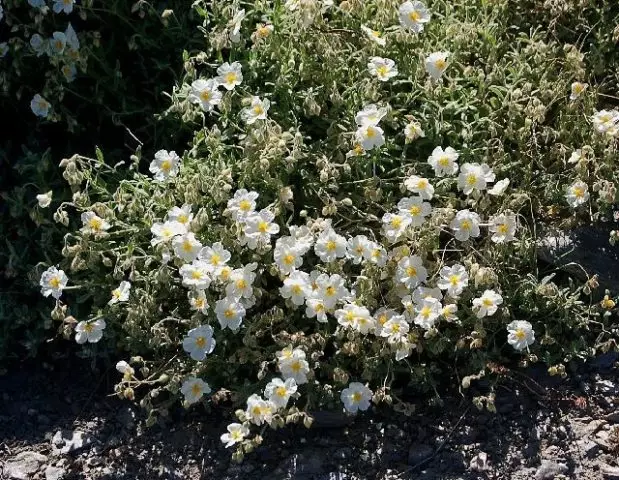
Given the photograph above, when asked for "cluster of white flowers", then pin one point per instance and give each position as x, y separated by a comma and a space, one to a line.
64, 45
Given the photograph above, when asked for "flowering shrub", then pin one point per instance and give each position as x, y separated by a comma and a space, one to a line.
357, 213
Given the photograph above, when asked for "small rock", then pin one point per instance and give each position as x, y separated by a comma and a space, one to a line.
602, 438
606, 387
419, 453
612, 473
24, 464
548, 470
54, 473
479, 462
71, 442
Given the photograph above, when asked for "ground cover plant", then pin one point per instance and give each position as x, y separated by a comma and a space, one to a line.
356, 215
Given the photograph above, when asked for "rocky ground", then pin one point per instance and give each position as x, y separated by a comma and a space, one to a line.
59, 424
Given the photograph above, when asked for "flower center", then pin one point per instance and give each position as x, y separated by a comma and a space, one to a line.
245, 205
241, 283
411, 271
54, 282
471, 179
440, 64
520, 335
116, 293
205, 96
166, 165
370, 131
263, 227
414, 210
297, 290
230, 77
196, 274
331, 245
396, 222
502, 228
454, 280
289, 259
187, 247
200, 342
579, 192
356, 397
421, 184
215, 259
281, 391
414, 16
196, 389
229, 313
258, 110
296, 366
382, 70
95, 223
382, 319
330, 291
443, 161
487, 302
425, 312
183, 218
89, 328
465, 225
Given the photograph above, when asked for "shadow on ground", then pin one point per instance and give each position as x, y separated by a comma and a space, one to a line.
544, 427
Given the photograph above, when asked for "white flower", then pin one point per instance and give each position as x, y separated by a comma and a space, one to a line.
356, 397
503, 227
499, 187
235, 26
197, 300
370, 136
71, 36
36, 3
374, 35
236, 433
413, 131
330, 289
419, 185
487, 304
286, 254
205, 93
394, 329
39, 106
577, 194
577, 89
421, 293
449, 312
520, 334
229, 313
357, 248
279, 391
196, 275
259, 227
242, 281
465, 225
394, 225
409, 307
215, 257
39, 45
242, 204
53, 282
164, 232
262, 31
296, 287
124, 368
186, 247
165, 165
69, 72
315, 307
65, 6
259, 410
90, 332
93, 224
355, 317
416, 208
44, 199
181, 215
330, 246
474, 177
292, 364
370, 115
382, 68
411, 272
427, 313
381, 317
413, 15
444, 162
404, 348
199, 342
230, 75
303, 238
436, 64
194, 389
453, 279
605, 121
4, 49
58, 42
257, 110
376, 254
120, 294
